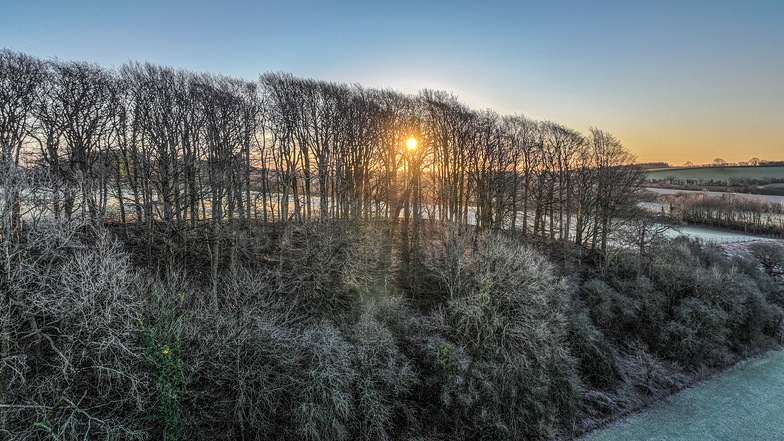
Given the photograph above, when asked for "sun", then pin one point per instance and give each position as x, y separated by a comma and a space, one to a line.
411, 143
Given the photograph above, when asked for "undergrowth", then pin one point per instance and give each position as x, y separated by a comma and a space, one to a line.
316, 336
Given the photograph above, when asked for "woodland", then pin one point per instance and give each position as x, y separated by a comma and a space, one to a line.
193, 256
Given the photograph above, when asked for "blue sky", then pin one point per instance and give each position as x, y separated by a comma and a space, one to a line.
674, 81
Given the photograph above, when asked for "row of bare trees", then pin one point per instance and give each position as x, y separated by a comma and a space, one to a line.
728, 211
169, 148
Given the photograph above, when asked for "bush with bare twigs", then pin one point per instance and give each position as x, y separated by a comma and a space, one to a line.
327, 270
506, 313
74, 367
770, 256
317, 339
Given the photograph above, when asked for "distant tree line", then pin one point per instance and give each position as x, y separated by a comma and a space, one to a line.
741, 185
651, 165
745, 184
152, 145
721, 162
736, 213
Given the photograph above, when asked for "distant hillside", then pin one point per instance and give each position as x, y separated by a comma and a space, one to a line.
697, 175
653, 165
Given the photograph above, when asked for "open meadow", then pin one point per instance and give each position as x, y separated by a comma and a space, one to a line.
715, 174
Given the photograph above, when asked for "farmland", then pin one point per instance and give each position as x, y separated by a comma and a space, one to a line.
771, 199
734, 211
761, 174
744, 198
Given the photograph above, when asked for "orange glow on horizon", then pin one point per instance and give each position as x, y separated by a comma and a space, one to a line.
676, 147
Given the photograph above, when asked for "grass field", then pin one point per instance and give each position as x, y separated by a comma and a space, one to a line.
770, 199
745, 403
718, 173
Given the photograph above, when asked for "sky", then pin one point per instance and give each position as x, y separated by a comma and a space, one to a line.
674, 81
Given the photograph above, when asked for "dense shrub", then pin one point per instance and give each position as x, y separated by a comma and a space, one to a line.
616, 313
241, 366
770, 256
319, 340
327, 269
74, 368
385, 379
687, 302
596, 357
271, 366
506, 311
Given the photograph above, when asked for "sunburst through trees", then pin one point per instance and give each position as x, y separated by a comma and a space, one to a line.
149, 145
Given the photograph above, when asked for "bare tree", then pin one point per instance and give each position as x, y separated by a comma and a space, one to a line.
281, 93
618, 183
21, 78
394, 118
643, 229
81, 94
521, 136
449, 130
566, 147
770, 255
159, 105
20, 82
486, 167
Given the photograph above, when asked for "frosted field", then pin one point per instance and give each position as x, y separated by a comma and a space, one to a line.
754, 197
714, 236
719, 173
746, 403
